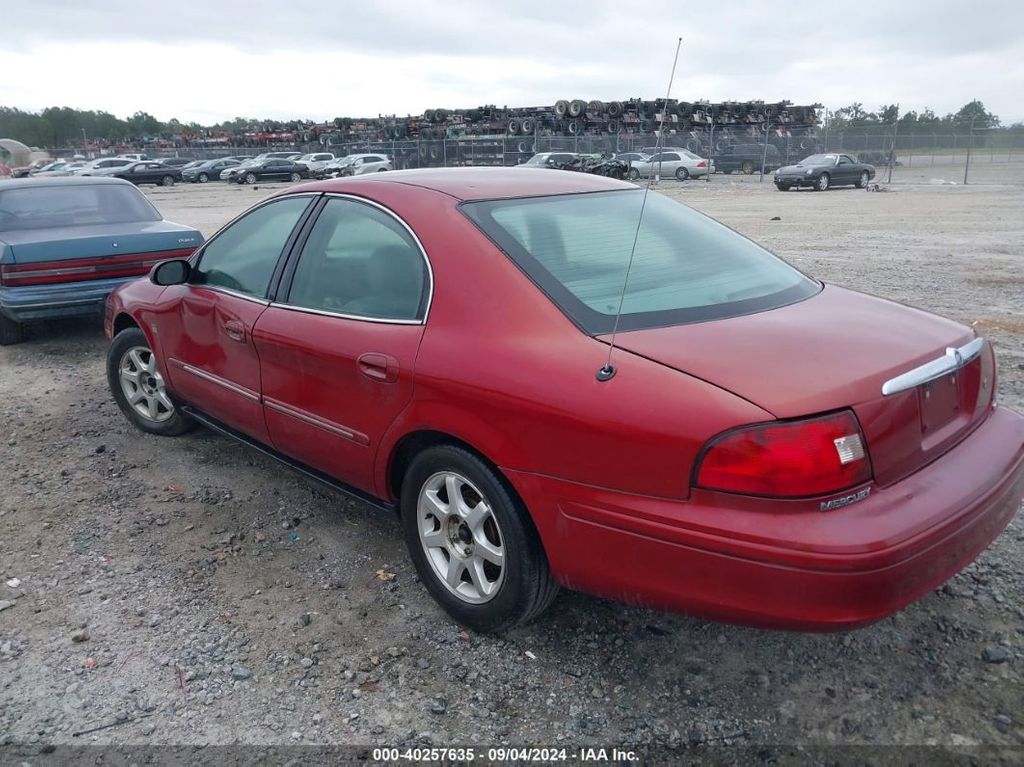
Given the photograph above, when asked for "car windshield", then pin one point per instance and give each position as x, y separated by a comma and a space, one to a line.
687, 267
79, 205
538, 159
819, 159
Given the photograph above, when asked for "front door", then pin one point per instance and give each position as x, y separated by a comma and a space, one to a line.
337, 350
208, 346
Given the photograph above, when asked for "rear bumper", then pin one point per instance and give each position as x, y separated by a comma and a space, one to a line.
69, 299
809, 570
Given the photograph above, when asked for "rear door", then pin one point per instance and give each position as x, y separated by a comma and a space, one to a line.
207, 340
337, 349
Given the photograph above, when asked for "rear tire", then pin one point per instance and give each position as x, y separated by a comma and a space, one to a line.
131, 371
863, 181
682, 174
747, 168
11, 332
522, 585
296, 177
167, 181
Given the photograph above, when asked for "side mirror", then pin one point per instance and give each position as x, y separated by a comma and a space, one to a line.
174, 272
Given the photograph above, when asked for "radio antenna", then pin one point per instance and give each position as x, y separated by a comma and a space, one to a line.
606, 372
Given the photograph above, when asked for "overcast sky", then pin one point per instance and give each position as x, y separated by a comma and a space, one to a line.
208, 60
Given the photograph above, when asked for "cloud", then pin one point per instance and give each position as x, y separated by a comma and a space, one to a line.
213, 60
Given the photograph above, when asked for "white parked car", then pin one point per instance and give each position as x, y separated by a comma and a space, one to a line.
104, 166
358, 164
135, 156
679, 163
317, 160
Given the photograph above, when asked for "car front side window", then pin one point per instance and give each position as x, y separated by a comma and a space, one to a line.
242, 257
362, 262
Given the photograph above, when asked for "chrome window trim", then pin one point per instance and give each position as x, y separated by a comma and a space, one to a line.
952, 360
360, 317
230, 292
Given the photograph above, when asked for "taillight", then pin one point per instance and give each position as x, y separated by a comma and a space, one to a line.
702, 164
787, 459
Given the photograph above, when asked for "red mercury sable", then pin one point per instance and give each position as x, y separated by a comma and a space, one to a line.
761, 448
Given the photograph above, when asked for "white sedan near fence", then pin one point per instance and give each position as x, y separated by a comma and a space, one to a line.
679, 163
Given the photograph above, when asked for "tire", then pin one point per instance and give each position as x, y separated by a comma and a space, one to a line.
822, 184
862, 182
747, 167
381, 170
203, 178
250, 178
782, 187
633, 174
131, 368
11, 332
167, 181
682, 174
521, 587
296, 177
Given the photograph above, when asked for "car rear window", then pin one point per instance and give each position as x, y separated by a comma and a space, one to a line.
687, 267
73, 205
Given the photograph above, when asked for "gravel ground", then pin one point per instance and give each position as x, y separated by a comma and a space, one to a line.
190, 591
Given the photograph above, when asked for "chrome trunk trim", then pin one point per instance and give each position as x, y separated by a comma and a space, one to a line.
952, 360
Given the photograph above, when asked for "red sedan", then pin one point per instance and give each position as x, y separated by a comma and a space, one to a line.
759, 448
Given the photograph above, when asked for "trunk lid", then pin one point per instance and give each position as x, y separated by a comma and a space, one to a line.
832, 351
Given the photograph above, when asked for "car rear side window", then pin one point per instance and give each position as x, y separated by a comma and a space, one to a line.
361, 262
73, 205
687, 267
242, 257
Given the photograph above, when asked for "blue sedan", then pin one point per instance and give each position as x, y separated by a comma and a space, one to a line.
65, 243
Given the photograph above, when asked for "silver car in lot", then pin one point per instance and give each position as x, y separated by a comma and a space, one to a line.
316, 161
679, 163
104, 166
358, 164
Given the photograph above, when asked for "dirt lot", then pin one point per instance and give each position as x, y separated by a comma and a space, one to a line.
226, 600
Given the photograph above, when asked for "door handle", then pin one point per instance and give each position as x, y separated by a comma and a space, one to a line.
378, 367
235, 330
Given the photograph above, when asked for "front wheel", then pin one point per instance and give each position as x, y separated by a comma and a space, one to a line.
633, 174
472, 542
296, 177
167, 181
138, 387
682, 174
203, 178
822, 183
250, 178
747, 168
11, 332
782, 187
863, 181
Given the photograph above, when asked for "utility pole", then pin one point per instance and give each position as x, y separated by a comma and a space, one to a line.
892, 146
970, 143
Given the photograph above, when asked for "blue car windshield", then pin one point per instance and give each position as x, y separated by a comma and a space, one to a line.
45, 206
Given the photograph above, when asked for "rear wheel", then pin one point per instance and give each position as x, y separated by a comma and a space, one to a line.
11, 332
682, 174
822, 183
472, 542
864, 178
167, 181
138, 387
747, 167
296, 177
381, 170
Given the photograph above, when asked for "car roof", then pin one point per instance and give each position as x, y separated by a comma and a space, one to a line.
465, 184
22, 183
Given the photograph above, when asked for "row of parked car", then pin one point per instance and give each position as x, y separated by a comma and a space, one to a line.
269, 166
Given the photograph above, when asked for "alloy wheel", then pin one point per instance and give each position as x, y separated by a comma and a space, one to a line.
461, 537
143, 386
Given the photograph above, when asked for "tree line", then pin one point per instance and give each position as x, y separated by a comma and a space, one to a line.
888, 116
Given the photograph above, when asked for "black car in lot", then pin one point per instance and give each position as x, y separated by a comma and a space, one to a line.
822, 171
176, 162
747, 158
209, 170
271, 169
149, 172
